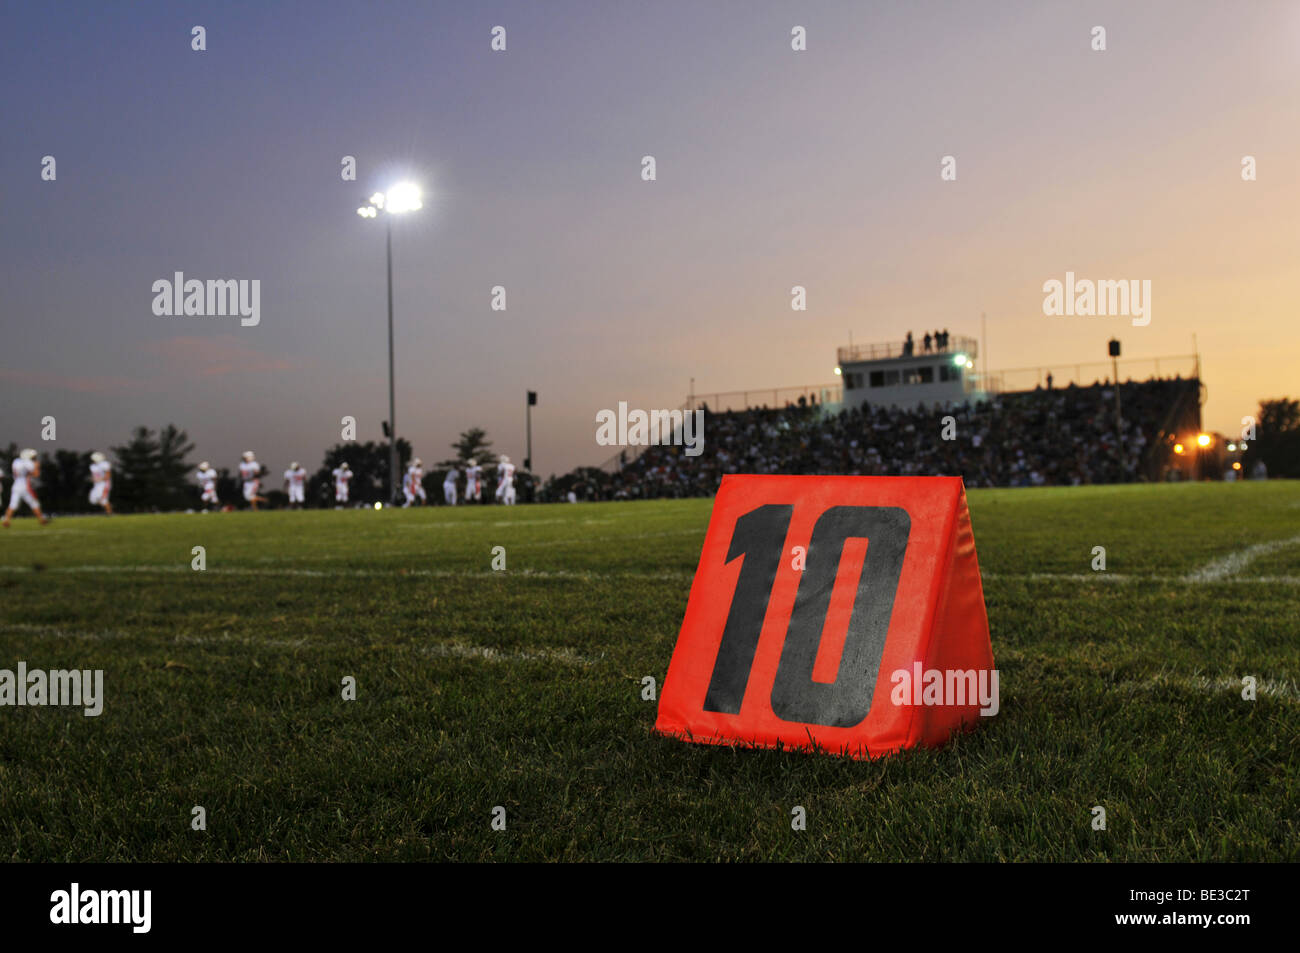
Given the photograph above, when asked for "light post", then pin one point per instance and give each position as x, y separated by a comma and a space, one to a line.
401, 198
1113, 348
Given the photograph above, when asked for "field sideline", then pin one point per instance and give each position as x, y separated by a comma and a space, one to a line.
522, 688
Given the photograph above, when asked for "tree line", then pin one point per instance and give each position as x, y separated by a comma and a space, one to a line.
1277, 438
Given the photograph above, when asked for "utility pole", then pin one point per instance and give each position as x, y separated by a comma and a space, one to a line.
528, 424
984, 352
1114, 363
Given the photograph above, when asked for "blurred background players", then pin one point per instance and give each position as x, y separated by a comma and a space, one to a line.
506, 481
413, 487
101, 477
295, 484
473, 482
25, 469
250, 471
449, 486
208, 484
342, 477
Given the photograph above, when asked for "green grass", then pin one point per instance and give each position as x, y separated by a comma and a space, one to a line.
522, 689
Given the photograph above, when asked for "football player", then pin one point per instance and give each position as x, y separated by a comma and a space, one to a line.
250, 471
25, 468
101, 476
449, 486
208, 482
506, 481
473, 482
295, 482
413, 488
342, 476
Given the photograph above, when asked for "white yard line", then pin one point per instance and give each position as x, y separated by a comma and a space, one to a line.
60, 632
487, 653
1114, 578
368, 573
586, 540
1101, 578
1218, 569
1264, 687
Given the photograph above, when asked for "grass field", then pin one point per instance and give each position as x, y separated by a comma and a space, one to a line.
522, 688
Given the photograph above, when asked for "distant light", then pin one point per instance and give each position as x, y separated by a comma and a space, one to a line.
1232, 448
377, 199
404, 197
1236, 466
1242, 445
367, 211
1203, 440
378, 505
1178, 448
838, 371
960, 360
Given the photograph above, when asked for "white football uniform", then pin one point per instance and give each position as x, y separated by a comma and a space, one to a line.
297, 480
341, 478
22, 491
208, 481
449, 486
249, 472
413, 486
473, 483
506, 483
102, 476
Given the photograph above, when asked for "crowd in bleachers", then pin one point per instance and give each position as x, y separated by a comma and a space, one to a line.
1063, 436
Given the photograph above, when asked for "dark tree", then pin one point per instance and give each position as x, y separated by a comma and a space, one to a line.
1277, 438
152, 472
65, 481
472, 445
369, 465
229, 489
174, 467
136, 471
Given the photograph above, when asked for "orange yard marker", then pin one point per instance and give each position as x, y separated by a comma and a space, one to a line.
842, 614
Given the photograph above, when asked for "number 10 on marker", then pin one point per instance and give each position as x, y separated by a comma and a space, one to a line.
773, 653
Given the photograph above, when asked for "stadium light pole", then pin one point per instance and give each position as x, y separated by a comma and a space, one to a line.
398, 200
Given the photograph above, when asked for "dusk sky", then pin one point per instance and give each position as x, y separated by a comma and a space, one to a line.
775, 168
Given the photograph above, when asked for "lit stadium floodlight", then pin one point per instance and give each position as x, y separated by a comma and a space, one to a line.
403, 197
1203, 440
400, 198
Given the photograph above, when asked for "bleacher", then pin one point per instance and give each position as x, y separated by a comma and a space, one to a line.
1063, 436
